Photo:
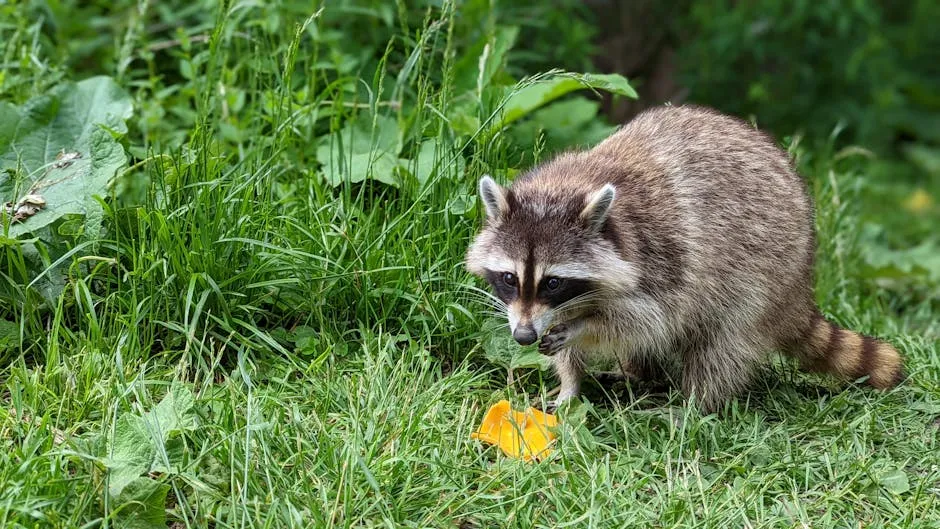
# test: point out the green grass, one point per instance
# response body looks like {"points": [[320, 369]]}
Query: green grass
{"points": [[329, 337]]}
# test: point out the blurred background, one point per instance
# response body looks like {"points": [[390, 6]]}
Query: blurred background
{"points": [[854, 72]]}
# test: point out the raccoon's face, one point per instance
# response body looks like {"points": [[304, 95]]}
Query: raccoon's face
{"points": [[549, 258]]}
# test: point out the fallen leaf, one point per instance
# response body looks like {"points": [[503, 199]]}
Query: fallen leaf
{"points": [[25, 207]]}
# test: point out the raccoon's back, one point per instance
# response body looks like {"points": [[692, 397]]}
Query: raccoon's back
{"points": [[737, 191], [738, 215]]}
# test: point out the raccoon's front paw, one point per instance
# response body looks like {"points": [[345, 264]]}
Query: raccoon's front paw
{"points": [[554, 339], [566, 394]]}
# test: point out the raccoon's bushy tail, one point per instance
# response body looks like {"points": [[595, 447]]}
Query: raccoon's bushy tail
{"points": [[832, 349]]}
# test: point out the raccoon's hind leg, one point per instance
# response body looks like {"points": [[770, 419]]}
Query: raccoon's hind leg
{"points": [[646, 369], [718, 369]]}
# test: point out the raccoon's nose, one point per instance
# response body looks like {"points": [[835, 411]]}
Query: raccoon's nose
{"points": [[525, 334]]}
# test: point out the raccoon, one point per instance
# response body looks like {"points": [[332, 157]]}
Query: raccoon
{"points": [[682, 245]]}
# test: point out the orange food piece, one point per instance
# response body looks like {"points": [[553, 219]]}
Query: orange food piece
{"points": [[519, 434]]}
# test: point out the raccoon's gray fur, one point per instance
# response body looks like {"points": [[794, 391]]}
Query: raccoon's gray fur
{"points": [[683, 244]]}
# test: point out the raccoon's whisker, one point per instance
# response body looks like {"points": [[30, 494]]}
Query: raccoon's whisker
{"points": [[580, 300], [588, 294], [483, 294], [488, 301], [576, 306], [474, 288], [498, 306], [493, 304]]}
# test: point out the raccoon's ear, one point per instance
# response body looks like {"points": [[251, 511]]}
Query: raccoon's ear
{"points": [[494, 198], [598, 206]]}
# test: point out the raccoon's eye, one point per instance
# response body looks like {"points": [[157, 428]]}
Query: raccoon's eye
{"points": [[509, 278], [553, 283]]}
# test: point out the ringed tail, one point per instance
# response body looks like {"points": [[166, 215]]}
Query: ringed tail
{"points": [[848, 354]]}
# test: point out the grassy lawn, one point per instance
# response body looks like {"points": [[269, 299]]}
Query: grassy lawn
{"points": [[270, 324]]}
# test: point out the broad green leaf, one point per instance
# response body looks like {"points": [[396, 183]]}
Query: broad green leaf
{"points": [[522, 101], [573, 417], [169, 458], [895, 481], [9, 338], [306, 338], [430, 159], [424, 162], [40, 257], [173, 413], [142, 505], [574, 112], [187, 70], [931, 408], [530, 359], [134, 449], [921, 261], [359, 137], [463, 118], [359, 152], [759, 456], [501, 349], [9, 333], [498, 346], [61, 146], [360, 167], [132, 452], [174, 409], [461, 204], [566, 124]]}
